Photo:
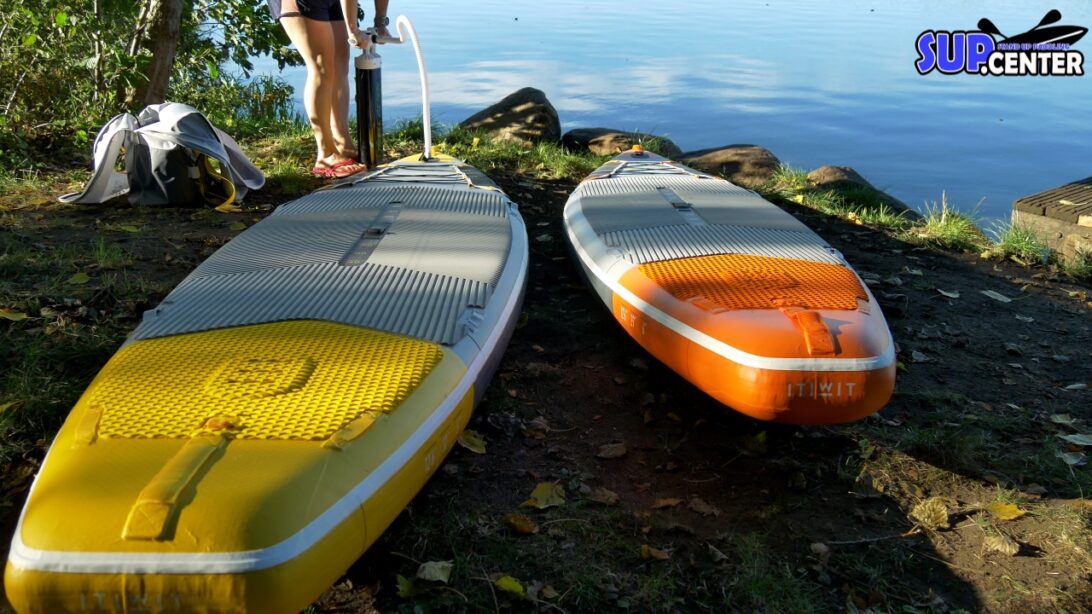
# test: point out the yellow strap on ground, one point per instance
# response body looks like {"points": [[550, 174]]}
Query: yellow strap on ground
{"points": [[150, 517]]}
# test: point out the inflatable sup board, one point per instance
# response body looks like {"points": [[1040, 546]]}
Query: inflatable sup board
{"points": [[269, 419], [731, 292]]}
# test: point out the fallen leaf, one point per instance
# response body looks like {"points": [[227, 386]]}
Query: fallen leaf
{"points": [[549, 592], [702, 507], [1027, 319], [537, 428], [546, 494], [949, 293], [473, 441], [1079, 386], [1063, 418], [128, 228], [917, 356], [1001, 543], [406, 586], [11, 314], [755, 445], [6, 406], [520, 523], [1080, 439], [1073, 459], [997, 296], [612, 450], [665, 502], [648, 552], [1005, 511], [604, 496], [78, 279], [237, 226], [435, 571], [717, 555], [510, 585], [931, 513]]}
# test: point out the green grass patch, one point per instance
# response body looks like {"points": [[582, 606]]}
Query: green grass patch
{"points": [[946, 227], [1021, 244], [540, 161]]}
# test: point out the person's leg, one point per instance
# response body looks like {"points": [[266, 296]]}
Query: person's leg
{"points": [[314, 40], [339, 111]]}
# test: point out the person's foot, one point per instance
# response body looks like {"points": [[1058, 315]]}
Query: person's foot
{"points": [[339, 169]]}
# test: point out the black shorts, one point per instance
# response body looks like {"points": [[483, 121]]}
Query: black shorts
{"points": [[319, 10]]}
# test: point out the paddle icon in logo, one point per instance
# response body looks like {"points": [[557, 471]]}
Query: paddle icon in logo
{"points": [[1044, 50], [1054, 35]]}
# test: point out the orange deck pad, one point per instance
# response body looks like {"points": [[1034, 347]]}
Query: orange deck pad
{"points": [[754, 310]]}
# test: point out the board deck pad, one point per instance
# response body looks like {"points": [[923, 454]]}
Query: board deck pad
{"points": [[267, 421], [730, 291]]}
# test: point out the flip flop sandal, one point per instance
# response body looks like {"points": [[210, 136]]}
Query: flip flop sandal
{"points": [[339, 170], [347, 167]]}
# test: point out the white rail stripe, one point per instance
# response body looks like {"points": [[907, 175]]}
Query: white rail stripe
{"points": [[580, 231]]}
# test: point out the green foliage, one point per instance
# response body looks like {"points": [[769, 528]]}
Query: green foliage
{"points": [[240, 107], [948, 228], [1079, 266], [1021, 244], [65, 70]]}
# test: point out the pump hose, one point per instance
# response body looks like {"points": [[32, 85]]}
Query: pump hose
{"points": [[403, 25]]}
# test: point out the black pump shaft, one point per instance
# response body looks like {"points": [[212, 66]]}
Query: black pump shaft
{"points": [[369, 108]]}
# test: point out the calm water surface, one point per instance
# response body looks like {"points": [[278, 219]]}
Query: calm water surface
{"points": [[815, 82]]}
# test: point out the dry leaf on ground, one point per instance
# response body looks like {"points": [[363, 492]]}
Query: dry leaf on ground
{"points": [[78, 279], [612, 450], [997, 296], [546, 494], [510, 585], [473, 441], [931, 513], [703, 508], [1001, 543], [665, 502], [604, 496], [1005, 511], [435, 571], [1080, 439], [11, 314], [520, 523], [648, 552]]}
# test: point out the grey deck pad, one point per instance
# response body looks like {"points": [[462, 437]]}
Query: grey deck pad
{"points": [[655, 210], [407, 250]]}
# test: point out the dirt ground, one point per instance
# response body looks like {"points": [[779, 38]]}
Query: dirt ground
{"points": [[699, 508]]}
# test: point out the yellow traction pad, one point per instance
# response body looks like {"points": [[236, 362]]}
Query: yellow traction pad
{"points": [[740, 281], [296, 380]]}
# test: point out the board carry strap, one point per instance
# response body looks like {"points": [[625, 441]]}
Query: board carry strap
{"points": [[152, 515]]}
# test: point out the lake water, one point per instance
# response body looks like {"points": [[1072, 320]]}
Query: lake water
{"points": [[815, 82]]}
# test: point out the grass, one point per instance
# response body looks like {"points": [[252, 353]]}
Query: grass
{"points": [[1021, 244], [948, 228], [540, 161]]}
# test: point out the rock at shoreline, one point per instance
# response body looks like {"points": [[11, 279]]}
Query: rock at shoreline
{"points": [[524, 116], [844, 177], [746, 165], [608, 141]]}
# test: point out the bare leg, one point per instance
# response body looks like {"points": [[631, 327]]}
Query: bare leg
{"points": [[339, 111], [315, 42]]}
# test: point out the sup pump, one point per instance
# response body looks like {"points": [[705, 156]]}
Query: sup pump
{"points": [[369, 93]]}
